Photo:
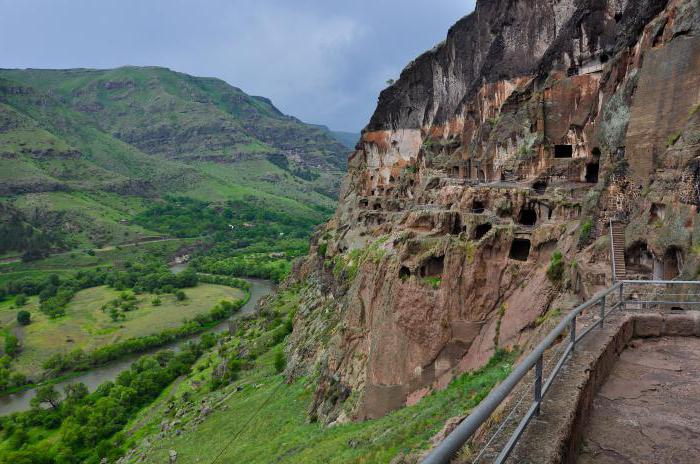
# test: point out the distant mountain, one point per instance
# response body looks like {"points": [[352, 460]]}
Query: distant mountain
{"points": [[84, 142], [348, 139]]}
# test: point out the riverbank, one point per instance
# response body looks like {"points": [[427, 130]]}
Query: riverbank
{"points": [[19, 401]]}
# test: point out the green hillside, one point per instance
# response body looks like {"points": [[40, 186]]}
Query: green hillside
{"points": [[82, 152]]}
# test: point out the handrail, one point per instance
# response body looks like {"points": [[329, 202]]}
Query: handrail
{"points": [[612, 252], [455, 440]]}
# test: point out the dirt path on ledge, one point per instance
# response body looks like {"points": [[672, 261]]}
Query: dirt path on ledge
{"points": [[648, 412]]}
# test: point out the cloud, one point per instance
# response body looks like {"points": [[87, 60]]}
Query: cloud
{"points": [[324, 61]]}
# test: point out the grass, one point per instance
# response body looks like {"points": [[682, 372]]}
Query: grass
{"points": [[79, 259], [266, 403], [87, 327]]}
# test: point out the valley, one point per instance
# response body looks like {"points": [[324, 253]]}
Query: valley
{"points": [[187, 274]]}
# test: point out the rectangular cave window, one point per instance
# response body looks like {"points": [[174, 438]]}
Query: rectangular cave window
{"points": [[520, 249], [563, 151]]}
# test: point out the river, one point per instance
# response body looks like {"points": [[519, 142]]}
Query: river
{"points": [[94, 377]]}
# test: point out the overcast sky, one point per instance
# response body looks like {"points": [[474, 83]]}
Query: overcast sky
{"points": [[324, 61]]}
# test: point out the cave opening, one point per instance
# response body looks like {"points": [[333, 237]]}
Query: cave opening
{"points": [[377, 206], [592, 172], [481, 175], [539, 187], [657, 212], [604, 58], [456, 225], [433, 267], [638, 258], [673, 259], [478, 207], [527, 217], [563, 151], [404, 272], [364, 203], [481, 230], [520, 249]]}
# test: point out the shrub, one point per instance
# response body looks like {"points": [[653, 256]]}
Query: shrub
{"points": [[180, 295], [322, 249], [24, 317], [585, 232], [280, 361], [11, 345], [555, 271], [21, 299], [156, 301]]}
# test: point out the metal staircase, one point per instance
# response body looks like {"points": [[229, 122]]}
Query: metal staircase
{"points": [[617, 249]]}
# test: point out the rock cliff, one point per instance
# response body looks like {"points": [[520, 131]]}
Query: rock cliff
{"points": [[478, 201]]}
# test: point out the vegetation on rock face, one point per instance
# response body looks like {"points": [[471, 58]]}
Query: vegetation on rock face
{"points": [[557, 266]]}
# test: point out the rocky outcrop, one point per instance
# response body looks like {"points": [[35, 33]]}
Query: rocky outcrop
{"points": [[478, 201]]}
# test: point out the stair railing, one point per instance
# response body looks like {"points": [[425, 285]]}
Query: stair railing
{"points": [[640, 294], [612, 252]]}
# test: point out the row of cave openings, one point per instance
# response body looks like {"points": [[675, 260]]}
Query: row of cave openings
{"points": [[526, 217], [434, 266]]}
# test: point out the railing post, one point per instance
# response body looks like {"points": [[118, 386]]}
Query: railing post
{"points": [[602, 311], [621, 304], [572, 333], [538, 385]]}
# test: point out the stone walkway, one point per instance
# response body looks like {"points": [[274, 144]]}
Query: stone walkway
{"points": [[648, 410]]}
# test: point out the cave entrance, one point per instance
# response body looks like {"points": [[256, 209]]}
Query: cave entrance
{"points": [[592, 172], [456, 225], [481, 175], [377, 206], [481, 230], [639, 259], [539, 187], [657, 212], [364, 203], [673, 262], [563, 151], [520, 249], [433, 267], [404, 272], [478, 207], [527, 217]]}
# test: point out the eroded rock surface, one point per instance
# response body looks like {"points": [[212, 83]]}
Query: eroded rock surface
{"points": [[523, 134]]}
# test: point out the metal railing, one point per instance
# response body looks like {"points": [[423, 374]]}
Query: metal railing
{"points": [[612, 251], [635, 294]]}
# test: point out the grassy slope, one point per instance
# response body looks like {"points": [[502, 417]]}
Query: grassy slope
{"points": [[85, 326], [139, 133], [70, 261], [266, 421]]}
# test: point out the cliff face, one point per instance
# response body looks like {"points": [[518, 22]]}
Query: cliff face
{"points": [[477, 203]]}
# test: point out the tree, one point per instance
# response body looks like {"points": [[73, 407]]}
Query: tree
{"points": [[11, 345], [21, 299], [180, 295], [24, 317], [76, 392], [46, 394]]}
